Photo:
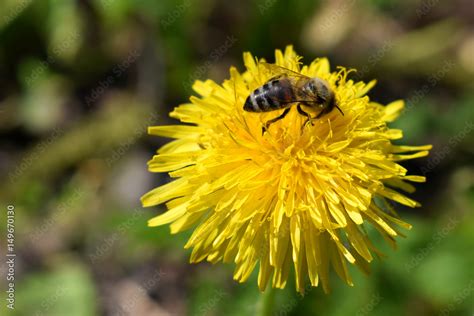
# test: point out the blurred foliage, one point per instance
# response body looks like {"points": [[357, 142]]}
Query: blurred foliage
{"points": [[81, 81], [65, 290]]}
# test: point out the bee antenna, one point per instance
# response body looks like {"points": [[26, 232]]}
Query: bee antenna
{"points": [[339, 109]]}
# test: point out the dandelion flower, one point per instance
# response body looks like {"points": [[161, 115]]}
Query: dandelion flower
{"points": [[292, 198]]}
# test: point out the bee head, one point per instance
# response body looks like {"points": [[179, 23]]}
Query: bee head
{"points": [[319, 88], [322, 92]]}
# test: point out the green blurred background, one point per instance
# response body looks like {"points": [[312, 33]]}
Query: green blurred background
{"points": [[80, 81]]}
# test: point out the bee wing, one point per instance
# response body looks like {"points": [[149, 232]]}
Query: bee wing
{"points": [[280, 71], [298, 79]]}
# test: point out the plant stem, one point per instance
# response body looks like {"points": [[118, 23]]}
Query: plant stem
{"points": [[267, 300]]}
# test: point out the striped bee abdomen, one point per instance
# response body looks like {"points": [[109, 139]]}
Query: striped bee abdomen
{"points": [[273, 95]]}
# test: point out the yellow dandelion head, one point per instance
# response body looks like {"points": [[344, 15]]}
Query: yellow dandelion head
{"points": [[294, 196]]}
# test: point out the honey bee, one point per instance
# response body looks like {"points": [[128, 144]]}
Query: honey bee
{"points": [[288, 88]]}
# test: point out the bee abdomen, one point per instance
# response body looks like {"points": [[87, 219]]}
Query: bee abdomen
{"points": [[263, 99], [251, 104]]}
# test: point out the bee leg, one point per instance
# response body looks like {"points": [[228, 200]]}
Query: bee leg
{"points": [[308, 117], [268, 123]]}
